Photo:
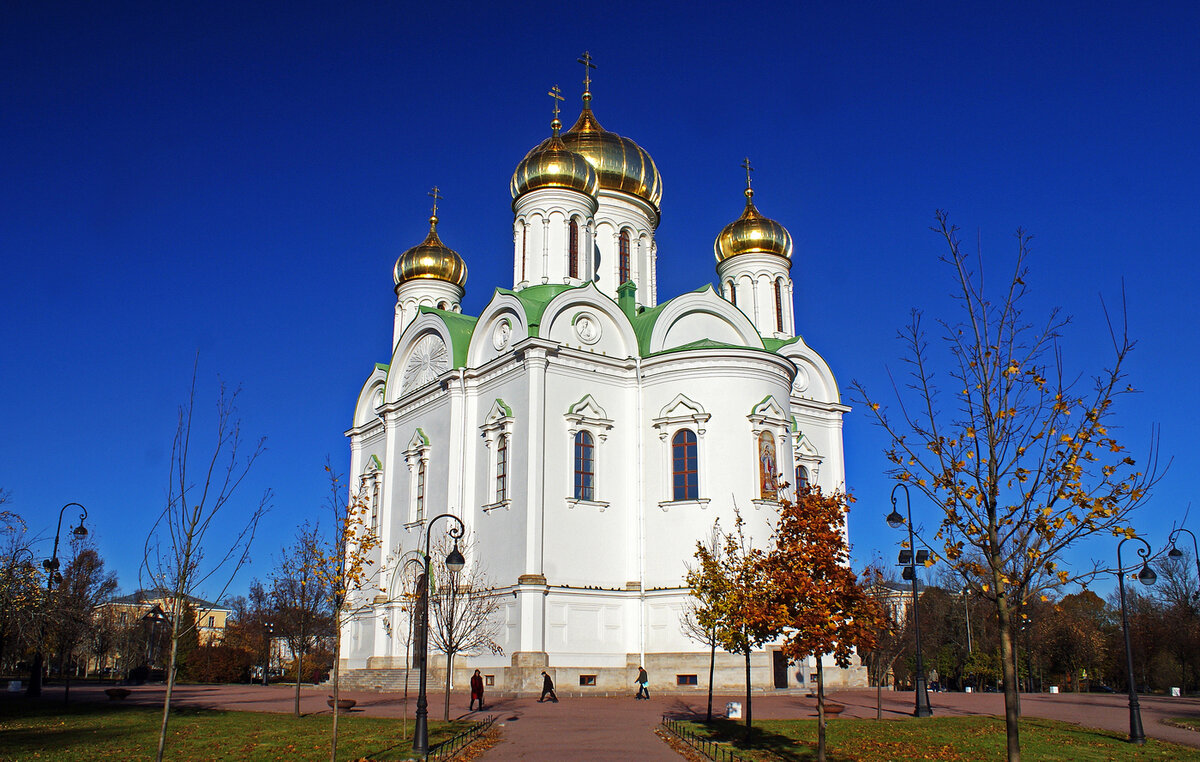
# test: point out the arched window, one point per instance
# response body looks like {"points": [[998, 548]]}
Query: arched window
{"points": [[624, 252], [573, 252], [524, 238], [684, 472], [443, 305], [801, 477], [779, 306], [421, 490], [732, 294], [502, 469], [585, 466]]}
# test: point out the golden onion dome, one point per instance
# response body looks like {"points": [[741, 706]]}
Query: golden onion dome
{"points": [[430, 259], [620, 163], [553, 165], [752, 233]]}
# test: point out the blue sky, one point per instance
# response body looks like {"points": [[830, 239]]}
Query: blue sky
{"points": [[237, 179]]}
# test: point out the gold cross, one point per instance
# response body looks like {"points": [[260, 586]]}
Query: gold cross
{"points": [[436, 197], [556, 94], [586, 60], [748, 168]]}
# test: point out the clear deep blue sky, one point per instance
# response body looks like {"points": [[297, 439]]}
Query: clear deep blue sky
{"points": [[238, 179]]}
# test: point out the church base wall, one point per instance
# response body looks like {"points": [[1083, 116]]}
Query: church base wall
{"points": [[668, 672]]}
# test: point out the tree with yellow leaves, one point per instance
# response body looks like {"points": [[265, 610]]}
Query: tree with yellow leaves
{"points": [[347, 569], [1018, 451]]}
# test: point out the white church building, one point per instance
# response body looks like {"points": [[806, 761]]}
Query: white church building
{"points": [[587, 433]]}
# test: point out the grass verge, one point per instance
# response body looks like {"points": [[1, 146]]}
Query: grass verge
{"points": [[969, 739], [51, 731]]}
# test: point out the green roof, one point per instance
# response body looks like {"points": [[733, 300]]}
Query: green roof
{"points": [[460, 327], [382, 366], [535, 299], [775, 345]]}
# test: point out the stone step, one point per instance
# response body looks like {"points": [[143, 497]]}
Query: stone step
{"points": [[388, 680]]}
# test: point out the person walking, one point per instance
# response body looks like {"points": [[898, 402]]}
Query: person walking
{"points": [[643, 680], [476, 691], [547, 687]]}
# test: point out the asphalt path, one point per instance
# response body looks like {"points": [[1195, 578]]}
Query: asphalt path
{"points": [[619, 728]]}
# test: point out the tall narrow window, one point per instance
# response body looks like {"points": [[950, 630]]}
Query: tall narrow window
{"points": [[585, 466], [421, 490], [684, 472], [732, 294], [502, 469], [624, 252], [779, 306], [524, 237], [573, 253], [801, 477]]}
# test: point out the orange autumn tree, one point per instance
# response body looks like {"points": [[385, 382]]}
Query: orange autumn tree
{"points": [[1017, 450], [812, 597]]}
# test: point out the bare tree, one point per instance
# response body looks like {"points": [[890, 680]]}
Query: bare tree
{"points": [[300, 598], [1017, 452], [892, 639], [463, 610], [85, 586], [183, 553]]}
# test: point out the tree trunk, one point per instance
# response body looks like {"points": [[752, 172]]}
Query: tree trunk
{"points": [[337, 657], [749, 716], [712, 666], [299, 671], [449, 669], [820, 710], [162, 733], [1009, 665], [879, 699]]}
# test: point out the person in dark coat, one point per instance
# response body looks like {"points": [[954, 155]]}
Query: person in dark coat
{"points": [[476, 691], [643, 680], [547, 687]]}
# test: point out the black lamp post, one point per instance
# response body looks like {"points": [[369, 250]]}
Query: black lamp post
{"points": [[1175, 554], [270, 630], [454, 564], [909, 559], [1147, 577], [52, 578]]}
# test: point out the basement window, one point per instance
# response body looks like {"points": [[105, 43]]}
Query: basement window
{"points": [[587, 679], [685, 679]]}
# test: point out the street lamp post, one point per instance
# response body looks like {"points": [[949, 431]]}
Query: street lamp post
{"points": [[454, 564], [52, 578], [909, 559], [1175, 554], [270, 630], [1147, 577]]}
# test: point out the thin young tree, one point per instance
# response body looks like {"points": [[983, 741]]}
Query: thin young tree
{"points": [[464, 610], [737, 571], [347, 567], [894, 633], [187, 548], [817, 606], [702, 612], [300, 599], [1016, 449], [85, 586]]}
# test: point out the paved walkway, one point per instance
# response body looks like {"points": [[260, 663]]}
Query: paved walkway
{"points": [[621, 728]]}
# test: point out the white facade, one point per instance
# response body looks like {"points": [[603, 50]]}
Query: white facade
{"points": [[591, 581]]}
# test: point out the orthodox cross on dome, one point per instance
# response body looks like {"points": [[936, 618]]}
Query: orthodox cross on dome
{"points": [[586, 60], [556, 94], [746, 166], [436, 197]]}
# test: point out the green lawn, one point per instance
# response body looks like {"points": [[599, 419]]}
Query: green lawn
{"points": [[52, 731], [972, 739]]}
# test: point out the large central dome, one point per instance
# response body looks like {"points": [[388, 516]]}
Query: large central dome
{"points": [[620, 163]]}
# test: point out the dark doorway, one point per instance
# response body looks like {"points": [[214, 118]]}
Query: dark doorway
{"points": [[781, 669]]}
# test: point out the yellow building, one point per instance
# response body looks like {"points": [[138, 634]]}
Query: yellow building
{"points": [[130, 610]]}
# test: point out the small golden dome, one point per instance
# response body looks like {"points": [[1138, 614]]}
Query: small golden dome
{"points": [[552, 165], [752, 233], [620, 163], [430, 259]]}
